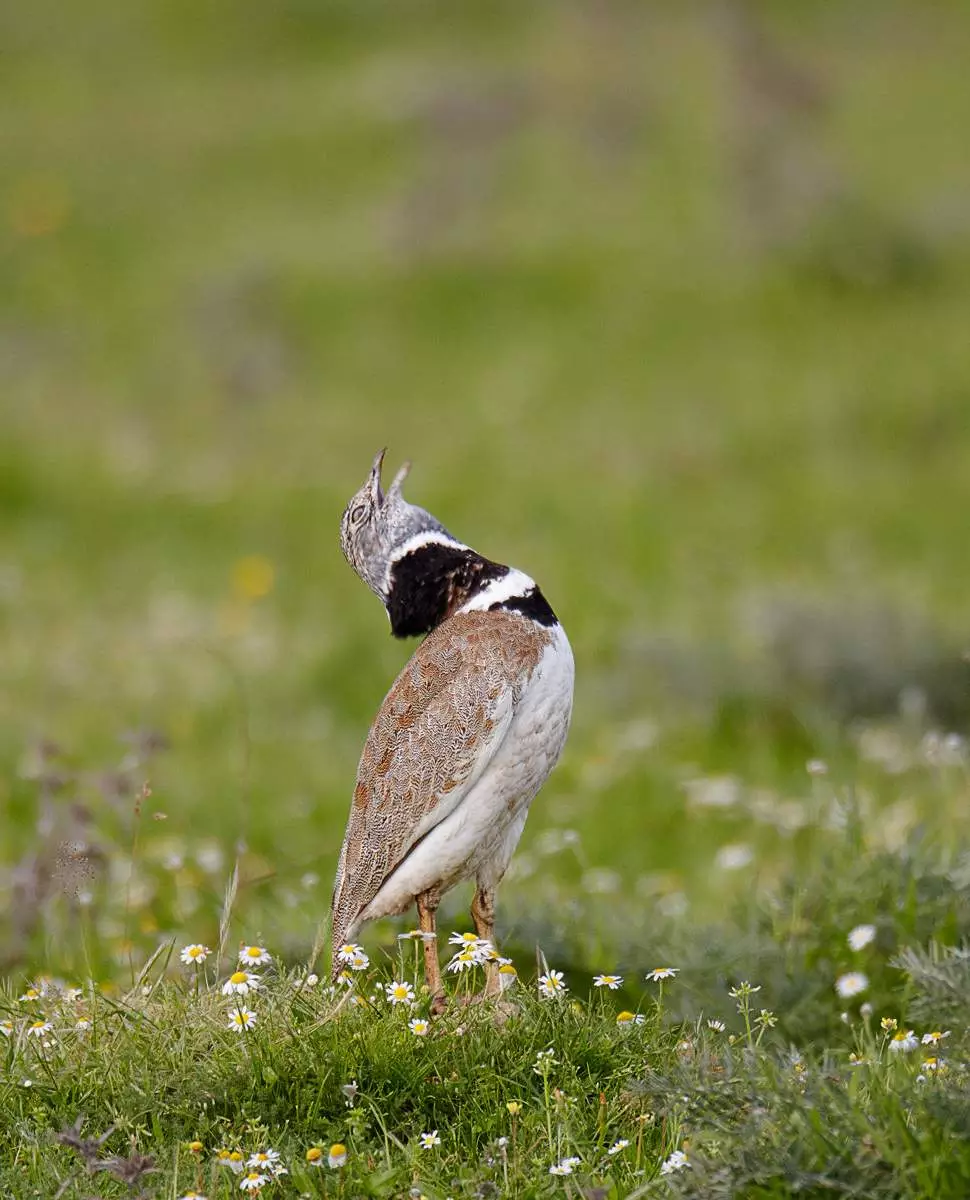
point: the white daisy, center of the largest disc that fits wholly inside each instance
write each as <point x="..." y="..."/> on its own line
<point x="618" y="1146"/>
<point x="399" y="992"/>
<point x="715" y="1025"/>
<point x="676" y="1162"/>
<point x="419" y="1027"/>
<point x="930" y="1039"/>
<point x="240" y="983"/>
<point x="39" y="1028"/>
<point x="464" y="960"/>
<point x="254" y="956"/>
<point x="552" y="984"/>
<point x="253" y="1181"/>
<point x="851" y="984"/>
<point x="608" y="981"/>
<point x="428" y="1141"/>
<point x="263" y="1160"/>
<point x="360" y="962"/>
<point x="861" y="936"/>
<point x="903" y="1041"/>
<point x="659" y="973"/>
<point x="241" y="1018"/>
<point x="194" y="954"/>
<point x="464" y="939"/>
<point x="348" y="952"/>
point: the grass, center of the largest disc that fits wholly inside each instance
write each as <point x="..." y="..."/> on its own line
<point x="677" y="325"/>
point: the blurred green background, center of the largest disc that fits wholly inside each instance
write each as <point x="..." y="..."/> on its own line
<point x="667" y="302"/>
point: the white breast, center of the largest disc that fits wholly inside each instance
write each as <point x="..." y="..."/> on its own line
<point x="479" y="836"/>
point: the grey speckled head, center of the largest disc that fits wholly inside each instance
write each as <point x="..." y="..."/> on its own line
<point x="377" y="526"/>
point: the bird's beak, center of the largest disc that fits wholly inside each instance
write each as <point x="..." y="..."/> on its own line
<point x="374" y="479"/>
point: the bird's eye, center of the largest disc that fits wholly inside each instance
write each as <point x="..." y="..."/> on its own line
<point x="357" y="513"/>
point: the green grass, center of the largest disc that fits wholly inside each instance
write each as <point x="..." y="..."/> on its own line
<point x="668" y="305"/>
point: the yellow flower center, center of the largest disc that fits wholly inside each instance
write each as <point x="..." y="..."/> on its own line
<point x="238" y="977"/>
<point x="314" y="1154"/>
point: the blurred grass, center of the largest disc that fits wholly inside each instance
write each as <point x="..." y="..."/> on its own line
<point x="667" y="305"/>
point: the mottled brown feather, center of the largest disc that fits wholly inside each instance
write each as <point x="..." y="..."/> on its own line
<point x="432" y="735"/>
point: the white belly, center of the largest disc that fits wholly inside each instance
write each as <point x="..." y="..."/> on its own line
<point x="478" y="837"/>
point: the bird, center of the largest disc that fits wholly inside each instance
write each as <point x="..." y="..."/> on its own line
<point x="465" y="737"/>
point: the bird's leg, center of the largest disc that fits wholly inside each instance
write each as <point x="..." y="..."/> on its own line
<point x="427" y="907"/>
<point x="483" y="914"/>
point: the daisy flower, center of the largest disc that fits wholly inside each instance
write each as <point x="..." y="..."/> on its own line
<point x="399" y="992"/>
<point x="629" y="1018"/>
<point x="263" y="1160"/>
<point x="417" y="935"/>
<point x="507" y="975"/>
<point x="196" y="1147"/>
<point x="232" y="1159"/>
<point x="252" y="1181"/>
<point x="464" y="939"/>
<point x="903" y="1041"/>
<point x="561" y="1168"/>
<point x="241" y="1018"/>
<point x="608" y="981"/>
<point x="930" y="1039"/>
<point x="308" y="981"/>
<point x="194" y="954"/>
<point x="861" y="936"/>
<point x="337" y="1156"/>
<point x="314" y="1157"/>
<point x="419" y="1027"/>
<point x="551" y="984"/>
<point x="360" y="962"/>
<point x="254" y="956"/>
<point x="676" y="1162"/>
<point x="428" y="1141"/>
<point x="851" y="984"/>
<point x="192" y="1196"/>
<point x="659" y="973"/>
<point x="39" y="1028"/>
<point x="715" y="1025"/>
<point x="6" y="1028"/>
<point x="240" y="982"/>
<point x="348" y="952"/>
<point x="82" y="1024"/>
<point x="618" y="1146"/>
<point x="32" y="993"/>
<point x="464" y="960"/>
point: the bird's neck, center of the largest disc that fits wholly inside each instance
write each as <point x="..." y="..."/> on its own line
<point x="430" y="581"/>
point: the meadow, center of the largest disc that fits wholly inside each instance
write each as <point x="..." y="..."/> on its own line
<point x="668" y="307"/>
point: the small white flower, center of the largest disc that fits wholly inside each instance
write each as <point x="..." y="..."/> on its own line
<point x="552" y="984"/>
<point x="241" y="1018"/>
<point x="419" y="1027"/>
<point x="348" y="952"/>
<point x="608" y="981"/>
<point x="6" y="1028"/>
<point x="903" y="1041"/>
<point x="628" y="1018"/>
<point x="233" y="1159"/>
<point x="263" y="1160"/>
<point x="464" y="939"/>
<point x="545" y="1061"/>
<point x="464" y="960"/>
<point x="618" y="1146"/>
<point x="659" y="973"/>
<point x="399" y="992"/>
<point x="562" y="1168"/>
<point x="194" y="954"/>
<point x="428" y="1141"/>
<point x="360" y="962"/>
<point x="192" y="1196"/>
<point x="241" y="983"/>
<point x="676" y="1162"/>
<point x="861" y="936"/>
<point x="337" y="1156"/>
<point x="715" y="1025"/>
<point x="39" y="1028"/>
<point x="254" y="956"/>
<point x="851" y="984"/>
<point x="252" y="1181"/>
<point x="308" y="981"/>
<point x="417" y="935"/>
<point x="930" y="1039"/>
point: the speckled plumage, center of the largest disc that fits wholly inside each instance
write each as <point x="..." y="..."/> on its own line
<point x="468" y="732"/>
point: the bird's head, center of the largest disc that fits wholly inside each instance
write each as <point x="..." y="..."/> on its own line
<point x="377" y="526"/>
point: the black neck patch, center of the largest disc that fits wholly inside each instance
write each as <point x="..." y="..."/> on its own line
<point x="532" y="605"/>
<point x="431" y="582"/>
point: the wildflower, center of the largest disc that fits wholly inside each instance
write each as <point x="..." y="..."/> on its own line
<point x="252" y="1181"/>
<point x="551" y="984"/>
<point x="562" y="1168"/>
<point x="507" y="975"/>
<point x="196" y="1147"/>
<point x="628" y="1018"/>
<point x="194" y="954"/>
<point x="464" y="939"/>
<point x="263" y="1160"/>
<point x="398" y="992"/>
<point x="659" y="973"/>
<point x="232" y="1159"/>
<point x="345" y="978"/>
<point x="337" y="1156"/>
<point x="618" y="1146"/>
<point x="360" y="962"/>
<point x="932" y="1063"/>
<point x="350" y="1092"/>
<point x="676" y="1162"/>
<point x="930" y="1039"/>
<point x="743" y="990"/>
<point x="6" y="1028"/>
<point x="851" y="984"/>
<point x="860" y="937"/>
<point x="39" y="1028"/>
<point x="514" y="1107"/>
<point x="241" y="1018"/>
<point x="858" y="1060"/>
<point x="865" y="1011"/>
<point x="417" y="935"/>
<point x="192" y="1196"/>
<point x="348" y="952"/>
<point x="903" y="1041"/>
<point x="308" y="981"/>
<point x="464" y="960"/>
<point x="314" y="1157"/>
<point x="888" y="1024"/>
<point x="715" y="1025"/>
<point x="254" y="956"/>
<point x="32" y="993"/>
<point x="240" y="982"/>
<point x="608" y="981"/>
<point x="428" y="1141"/>
<point x="419" y="1027"/>
<point x="545" y="1061"/>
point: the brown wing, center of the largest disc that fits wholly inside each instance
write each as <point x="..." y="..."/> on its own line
<point x="439" y="725"/>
